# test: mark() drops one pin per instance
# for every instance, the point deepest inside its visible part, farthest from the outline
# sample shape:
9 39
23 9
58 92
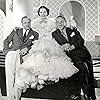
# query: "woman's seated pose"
46 61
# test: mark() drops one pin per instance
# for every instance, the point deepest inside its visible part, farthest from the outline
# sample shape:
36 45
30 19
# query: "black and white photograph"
49 49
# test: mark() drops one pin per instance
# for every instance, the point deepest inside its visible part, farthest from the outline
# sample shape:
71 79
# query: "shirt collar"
25 31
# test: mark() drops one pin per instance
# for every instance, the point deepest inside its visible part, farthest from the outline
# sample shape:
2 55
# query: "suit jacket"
80 51
17 42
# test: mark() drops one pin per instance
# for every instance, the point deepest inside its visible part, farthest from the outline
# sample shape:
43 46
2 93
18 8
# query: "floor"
6 98
2 73
98 93
98 98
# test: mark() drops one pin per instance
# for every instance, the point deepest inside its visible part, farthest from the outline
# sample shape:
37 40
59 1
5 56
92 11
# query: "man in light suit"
21 40
73 45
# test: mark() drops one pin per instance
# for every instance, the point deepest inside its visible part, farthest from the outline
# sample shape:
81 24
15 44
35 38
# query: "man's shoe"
86 97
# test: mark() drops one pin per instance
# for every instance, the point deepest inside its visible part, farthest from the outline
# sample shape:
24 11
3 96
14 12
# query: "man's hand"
24 51
66 47
71 47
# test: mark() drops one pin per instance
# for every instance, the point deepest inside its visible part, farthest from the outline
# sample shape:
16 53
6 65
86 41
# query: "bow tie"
43 21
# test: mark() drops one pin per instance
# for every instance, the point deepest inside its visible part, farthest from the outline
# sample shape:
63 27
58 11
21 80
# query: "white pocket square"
31 37
73 33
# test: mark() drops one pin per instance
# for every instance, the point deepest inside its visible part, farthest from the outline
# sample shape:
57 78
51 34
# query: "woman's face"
43 13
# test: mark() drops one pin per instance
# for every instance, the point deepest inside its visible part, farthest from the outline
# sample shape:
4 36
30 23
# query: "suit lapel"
68 32
62 37
20 34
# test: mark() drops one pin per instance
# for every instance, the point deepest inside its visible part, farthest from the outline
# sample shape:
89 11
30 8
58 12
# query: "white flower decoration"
43 77
73 33
31 37
41 81
33 85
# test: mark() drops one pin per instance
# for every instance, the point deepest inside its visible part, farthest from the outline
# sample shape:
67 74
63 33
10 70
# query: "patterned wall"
91 9
99 16
2 17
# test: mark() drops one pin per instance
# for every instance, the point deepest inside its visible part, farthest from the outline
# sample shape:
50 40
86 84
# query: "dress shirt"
63 32
25 31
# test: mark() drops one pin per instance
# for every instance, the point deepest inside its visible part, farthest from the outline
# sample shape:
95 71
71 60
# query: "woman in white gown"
46 60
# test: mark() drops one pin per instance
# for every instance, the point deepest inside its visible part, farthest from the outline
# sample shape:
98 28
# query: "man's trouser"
10 66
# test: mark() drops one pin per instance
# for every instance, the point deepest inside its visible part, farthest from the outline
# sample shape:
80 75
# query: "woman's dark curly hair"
44 8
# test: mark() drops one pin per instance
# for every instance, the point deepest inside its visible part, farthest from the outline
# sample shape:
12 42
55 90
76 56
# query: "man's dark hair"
25 17
61 17
44 8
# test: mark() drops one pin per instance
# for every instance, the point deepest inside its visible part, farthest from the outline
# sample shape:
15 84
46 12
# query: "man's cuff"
73 47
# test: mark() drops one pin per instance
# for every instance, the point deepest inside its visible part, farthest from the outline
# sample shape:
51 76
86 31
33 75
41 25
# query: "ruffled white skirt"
45 62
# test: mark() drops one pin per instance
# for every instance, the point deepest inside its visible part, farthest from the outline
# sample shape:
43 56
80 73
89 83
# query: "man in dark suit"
18 42
73 45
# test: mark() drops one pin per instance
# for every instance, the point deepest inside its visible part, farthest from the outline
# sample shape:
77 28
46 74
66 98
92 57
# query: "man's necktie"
65 35
24 35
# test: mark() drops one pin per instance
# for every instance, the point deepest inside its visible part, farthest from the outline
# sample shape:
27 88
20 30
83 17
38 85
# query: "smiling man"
21 40
73 45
